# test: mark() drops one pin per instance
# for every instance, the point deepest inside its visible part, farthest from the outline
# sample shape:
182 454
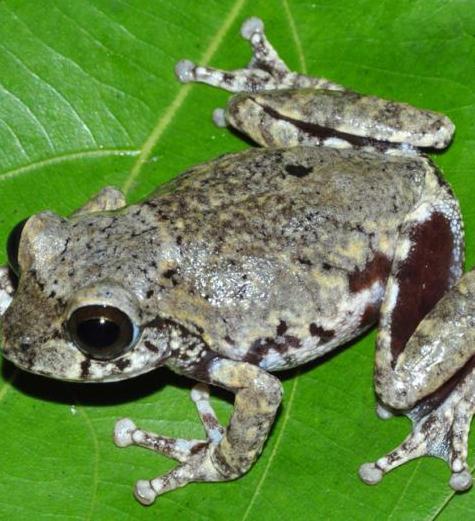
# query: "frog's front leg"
227 453
266 70
109 198
426 341
6 289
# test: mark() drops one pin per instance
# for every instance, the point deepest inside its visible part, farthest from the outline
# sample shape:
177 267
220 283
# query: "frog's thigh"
428 261
109 198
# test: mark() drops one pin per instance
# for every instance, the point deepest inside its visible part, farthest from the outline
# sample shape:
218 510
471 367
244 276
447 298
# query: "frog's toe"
384 413
461 481
370 473
123 432
251 26
219 117
198 468
144 492
184 71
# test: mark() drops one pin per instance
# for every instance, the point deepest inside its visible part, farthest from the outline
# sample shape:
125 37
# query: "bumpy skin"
268 256
262 261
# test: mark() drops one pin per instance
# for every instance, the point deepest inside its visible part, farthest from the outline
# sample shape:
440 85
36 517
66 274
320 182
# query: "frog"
261 261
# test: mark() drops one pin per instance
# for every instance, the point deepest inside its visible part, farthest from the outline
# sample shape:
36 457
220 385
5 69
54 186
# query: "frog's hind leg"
426 341
266 70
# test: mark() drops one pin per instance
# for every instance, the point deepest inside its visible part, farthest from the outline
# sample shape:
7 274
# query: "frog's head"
68 319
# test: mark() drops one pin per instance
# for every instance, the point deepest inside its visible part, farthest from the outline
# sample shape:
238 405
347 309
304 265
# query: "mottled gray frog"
262 261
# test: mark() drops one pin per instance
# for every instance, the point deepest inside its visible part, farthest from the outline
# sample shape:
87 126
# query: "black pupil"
101 332
98 332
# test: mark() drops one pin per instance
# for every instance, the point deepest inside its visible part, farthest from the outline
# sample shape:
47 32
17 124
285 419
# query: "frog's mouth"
62 361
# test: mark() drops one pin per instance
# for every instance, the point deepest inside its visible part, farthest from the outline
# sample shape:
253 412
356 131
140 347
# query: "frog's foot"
443 433
6 289
194 455
266 70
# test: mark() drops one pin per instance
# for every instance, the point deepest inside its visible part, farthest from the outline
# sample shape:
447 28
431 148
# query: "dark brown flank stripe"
322 133
431 402
423 278
370 316
377 269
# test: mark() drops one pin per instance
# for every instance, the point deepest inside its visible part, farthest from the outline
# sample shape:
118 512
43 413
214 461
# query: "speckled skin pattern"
262 261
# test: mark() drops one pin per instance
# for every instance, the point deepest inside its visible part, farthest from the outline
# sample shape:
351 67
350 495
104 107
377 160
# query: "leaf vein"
17 140
70 156
75 65
108 50
95 472
30 114
55 91
278 441
183 92
295 36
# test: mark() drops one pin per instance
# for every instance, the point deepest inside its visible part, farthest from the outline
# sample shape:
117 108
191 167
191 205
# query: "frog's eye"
102 332
13 244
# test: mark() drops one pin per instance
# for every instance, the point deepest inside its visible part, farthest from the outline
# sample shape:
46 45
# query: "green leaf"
88 98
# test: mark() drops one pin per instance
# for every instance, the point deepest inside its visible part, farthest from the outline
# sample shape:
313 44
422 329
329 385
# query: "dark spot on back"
304 260
281 328
298 170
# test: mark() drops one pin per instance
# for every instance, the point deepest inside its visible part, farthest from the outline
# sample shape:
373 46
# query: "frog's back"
292 197
289 250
